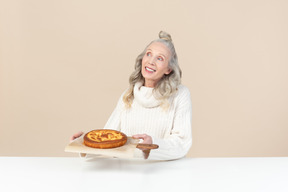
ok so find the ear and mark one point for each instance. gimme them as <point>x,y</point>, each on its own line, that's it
<point>168,71</point>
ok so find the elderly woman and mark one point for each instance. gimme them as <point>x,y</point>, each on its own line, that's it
<point>156,108</point>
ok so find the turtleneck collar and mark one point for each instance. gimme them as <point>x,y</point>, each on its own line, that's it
<point>144,96</point>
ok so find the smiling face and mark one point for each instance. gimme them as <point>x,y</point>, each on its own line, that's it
<point>155,63</point>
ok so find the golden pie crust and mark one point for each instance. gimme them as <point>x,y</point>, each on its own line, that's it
<point>104,138</point>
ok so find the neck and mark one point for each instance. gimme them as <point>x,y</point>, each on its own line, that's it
<point>150,84</point>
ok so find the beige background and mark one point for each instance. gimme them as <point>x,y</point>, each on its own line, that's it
<point>64,64</point>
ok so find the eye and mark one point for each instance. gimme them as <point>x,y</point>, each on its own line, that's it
<point>148,54</point>
<point>160,58</point>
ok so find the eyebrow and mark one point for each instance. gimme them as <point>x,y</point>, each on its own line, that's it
<point>159,54</point>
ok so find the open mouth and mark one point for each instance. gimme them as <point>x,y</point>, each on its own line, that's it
<point>149,69</point>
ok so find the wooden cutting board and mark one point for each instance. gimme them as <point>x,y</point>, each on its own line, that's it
<point>125,151</point>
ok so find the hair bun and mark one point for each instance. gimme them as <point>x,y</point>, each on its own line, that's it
<point>165,36</point>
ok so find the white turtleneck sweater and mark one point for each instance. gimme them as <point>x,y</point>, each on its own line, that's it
<point>170,129</point>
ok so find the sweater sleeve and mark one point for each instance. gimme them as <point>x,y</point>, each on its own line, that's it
<point>177,144</point>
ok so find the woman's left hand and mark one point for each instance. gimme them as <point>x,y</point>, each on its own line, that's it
<point>147,139</point>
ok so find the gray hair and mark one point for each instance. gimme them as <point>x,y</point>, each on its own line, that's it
<point>167,85</point>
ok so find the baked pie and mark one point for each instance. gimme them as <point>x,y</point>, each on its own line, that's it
<point>104,138</point>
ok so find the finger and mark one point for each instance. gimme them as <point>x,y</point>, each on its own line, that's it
<point>76,135</point>
<point>139,136</point>
<point>146,138</point>
<point>72,138</point>
<point>79,134</point>
<point>147,141</point>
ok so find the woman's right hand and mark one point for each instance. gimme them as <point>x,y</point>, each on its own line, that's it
<point>76,135</point>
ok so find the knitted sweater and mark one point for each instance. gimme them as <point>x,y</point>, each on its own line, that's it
<point>170,129</point>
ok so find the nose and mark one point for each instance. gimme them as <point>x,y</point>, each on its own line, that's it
<point>152,61</point>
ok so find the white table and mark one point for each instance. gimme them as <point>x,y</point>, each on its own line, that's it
<point>195,174</point>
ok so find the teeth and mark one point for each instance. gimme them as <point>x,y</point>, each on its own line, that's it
<point>149,69</point>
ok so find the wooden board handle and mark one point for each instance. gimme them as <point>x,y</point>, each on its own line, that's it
<point>147,146</point>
